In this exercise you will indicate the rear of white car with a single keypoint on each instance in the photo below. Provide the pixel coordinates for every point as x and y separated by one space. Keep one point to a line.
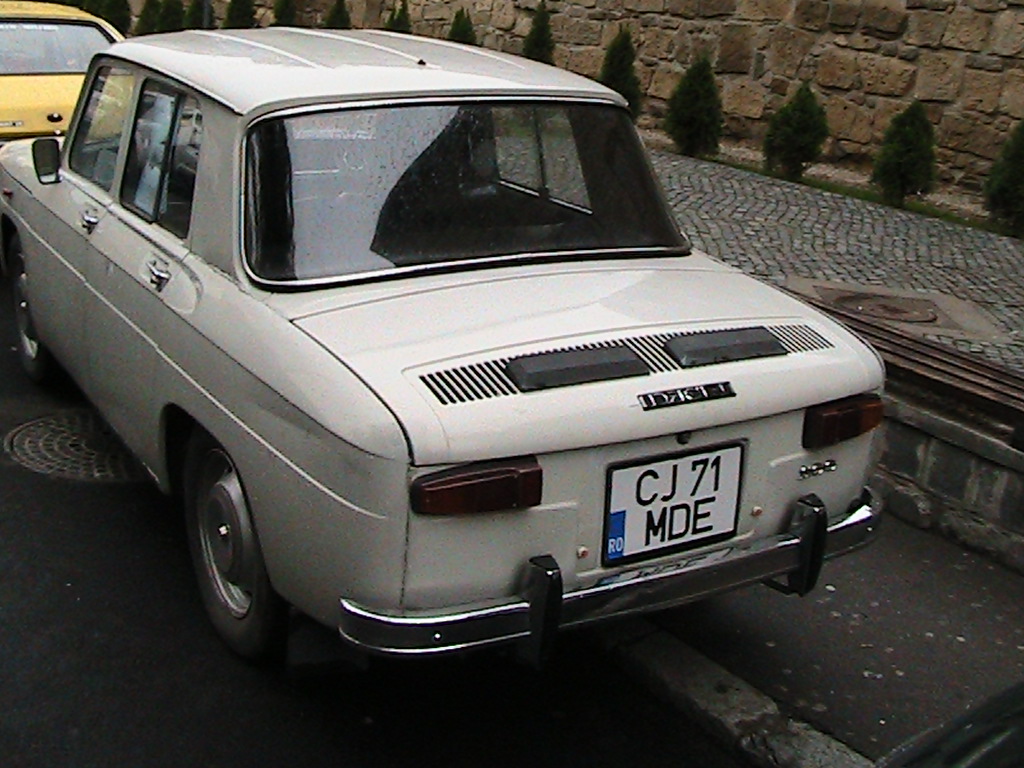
598 420
636 461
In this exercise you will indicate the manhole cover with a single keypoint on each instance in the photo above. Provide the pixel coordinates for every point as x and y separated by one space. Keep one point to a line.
76 445
924 313
899 309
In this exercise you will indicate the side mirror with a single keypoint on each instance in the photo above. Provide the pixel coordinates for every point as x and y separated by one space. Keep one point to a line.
46 159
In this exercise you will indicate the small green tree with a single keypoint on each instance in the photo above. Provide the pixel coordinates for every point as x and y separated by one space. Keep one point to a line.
285 13
240 15
172 16
694 117
618 72
906 161
118 13
1004 190
796 134
95 7
338 17
539 45
195 15
398 20
149 18
462 29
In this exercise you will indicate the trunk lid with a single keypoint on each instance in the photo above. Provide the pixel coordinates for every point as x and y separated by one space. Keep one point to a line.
437 351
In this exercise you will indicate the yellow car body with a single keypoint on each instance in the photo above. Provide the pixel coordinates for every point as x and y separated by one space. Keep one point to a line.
44 52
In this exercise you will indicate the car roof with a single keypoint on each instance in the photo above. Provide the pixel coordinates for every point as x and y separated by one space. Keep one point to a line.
21 9
256 69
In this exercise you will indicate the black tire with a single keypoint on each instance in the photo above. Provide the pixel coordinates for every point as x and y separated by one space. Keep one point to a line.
33 355
239 599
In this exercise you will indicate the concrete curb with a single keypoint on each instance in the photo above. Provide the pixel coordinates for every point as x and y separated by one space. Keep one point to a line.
737 715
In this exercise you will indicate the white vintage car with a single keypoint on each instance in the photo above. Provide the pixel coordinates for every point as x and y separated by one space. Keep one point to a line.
410 328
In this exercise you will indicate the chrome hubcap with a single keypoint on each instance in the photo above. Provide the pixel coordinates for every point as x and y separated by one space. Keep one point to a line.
226 535
23 318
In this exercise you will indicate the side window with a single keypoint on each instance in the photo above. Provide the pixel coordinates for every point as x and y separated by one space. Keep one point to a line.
94 151
536 151
160 170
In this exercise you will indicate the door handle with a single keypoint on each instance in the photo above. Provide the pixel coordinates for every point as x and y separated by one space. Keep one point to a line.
159 276
89 221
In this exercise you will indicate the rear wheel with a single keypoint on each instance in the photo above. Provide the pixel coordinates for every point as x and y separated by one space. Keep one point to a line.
34 357
226 554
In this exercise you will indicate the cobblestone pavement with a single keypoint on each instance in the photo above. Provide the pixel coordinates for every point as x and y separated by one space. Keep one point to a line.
777 230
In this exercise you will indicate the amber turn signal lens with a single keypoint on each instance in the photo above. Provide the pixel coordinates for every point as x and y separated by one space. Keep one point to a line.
485 487
831 423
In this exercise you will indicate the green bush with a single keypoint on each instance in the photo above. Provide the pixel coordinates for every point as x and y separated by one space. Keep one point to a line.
618 72
462 29
149 18
694 117
240 15
1004 190
398 21
172 16
118 13
285 13
539 45
796 134
906 161
95 7
338 17
195 15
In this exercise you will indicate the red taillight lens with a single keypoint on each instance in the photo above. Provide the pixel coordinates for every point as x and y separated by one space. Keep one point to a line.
486 487
831 423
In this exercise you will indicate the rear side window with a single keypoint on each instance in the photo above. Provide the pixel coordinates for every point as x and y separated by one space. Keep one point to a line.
160 169
98 136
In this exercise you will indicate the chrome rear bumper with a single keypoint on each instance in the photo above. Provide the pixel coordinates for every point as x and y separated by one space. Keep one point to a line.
543 608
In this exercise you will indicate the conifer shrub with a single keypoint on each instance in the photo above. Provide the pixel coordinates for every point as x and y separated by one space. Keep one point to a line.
285 13
539 45
119 14
172 16
462 29
195 15
240 15
149 18
906 161
398 20
618 72
1004 190
795 136
694 116
338 17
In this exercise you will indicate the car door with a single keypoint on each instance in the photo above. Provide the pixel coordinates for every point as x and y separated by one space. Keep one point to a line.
58 249
142 287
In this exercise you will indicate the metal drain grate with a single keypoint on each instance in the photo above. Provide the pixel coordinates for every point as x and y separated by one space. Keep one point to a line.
76 445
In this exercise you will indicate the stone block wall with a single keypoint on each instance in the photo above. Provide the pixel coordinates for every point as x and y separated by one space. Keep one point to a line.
867 60
943 473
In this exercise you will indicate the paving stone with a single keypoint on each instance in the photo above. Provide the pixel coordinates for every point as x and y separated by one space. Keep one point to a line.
775 230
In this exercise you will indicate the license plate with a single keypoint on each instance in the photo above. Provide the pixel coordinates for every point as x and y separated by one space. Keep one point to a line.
673 503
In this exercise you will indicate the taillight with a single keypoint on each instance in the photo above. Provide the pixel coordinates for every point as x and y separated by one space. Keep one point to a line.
490 486
831 423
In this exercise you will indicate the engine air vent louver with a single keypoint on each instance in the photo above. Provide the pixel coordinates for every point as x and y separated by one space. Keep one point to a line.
490 379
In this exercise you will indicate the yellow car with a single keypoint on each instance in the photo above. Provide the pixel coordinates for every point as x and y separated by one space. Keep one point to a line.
44 52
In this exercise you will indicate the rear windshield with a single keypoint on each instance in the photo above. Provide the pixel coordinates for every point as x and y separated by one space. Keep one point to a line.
47 47
335 194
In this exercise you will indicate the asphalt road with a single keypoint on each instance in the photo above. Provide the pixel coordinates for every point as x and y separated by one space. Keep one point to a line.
106 658
896 639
